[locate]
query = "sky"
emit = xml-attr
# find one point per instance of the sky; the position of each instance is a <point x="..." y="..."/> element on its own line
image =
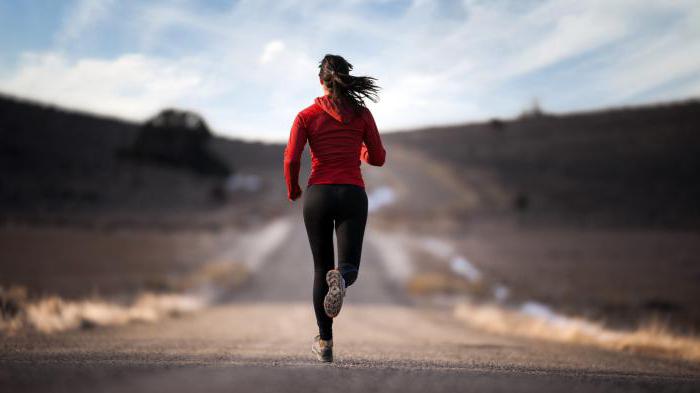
<point x="250" y="66"/>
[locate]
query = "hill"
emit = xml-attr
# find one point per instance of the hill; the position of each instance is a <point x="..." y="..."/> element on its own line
<point x="619" y="167"/>
<point x="63" y="166"/>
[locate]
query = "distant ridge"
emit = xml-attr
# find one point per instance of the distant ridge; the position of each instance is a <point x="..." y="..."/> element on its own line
<point x="629" y="166"/>
<point x="63" y="165"/>
<point x="691" y="103"/>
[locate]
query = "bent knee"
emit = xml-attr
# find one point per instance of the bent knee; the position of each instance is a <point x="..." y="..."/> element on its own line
<point x="350" y="277"/>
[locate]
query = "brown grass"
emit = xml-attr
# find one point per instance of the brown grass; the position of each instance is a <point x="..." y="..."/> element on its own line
<point x="434" y="283"/>
<point x="54" y="314"/>
<point x="652" y="337"/>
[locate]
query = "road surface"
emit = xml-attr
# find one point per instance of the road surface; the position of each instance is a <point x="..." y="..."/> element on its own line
<point x="259" y="340"/>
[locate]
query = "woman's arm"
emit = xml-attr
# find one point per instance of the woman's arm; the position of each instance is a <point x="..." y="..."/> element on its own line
<point x="292" y="157"/>
<point x="372" y="151"/>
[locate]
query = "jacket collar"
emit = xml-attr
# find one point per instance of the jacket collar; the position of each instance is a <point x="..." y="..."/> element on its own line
<point x="340" y="112"/>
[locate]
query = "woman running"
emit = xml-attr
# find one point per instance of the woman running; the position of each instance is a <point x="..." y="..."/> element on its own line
<point x="340" y="131"/>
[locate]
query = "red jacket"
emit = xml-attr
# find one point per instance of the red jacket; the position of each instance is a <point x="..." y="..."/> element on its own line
<point x="338" y="138"/>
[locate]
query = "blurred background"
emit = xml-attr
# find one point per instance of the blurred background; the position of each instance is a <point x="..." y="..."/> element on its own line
<point x="542" y="160"/>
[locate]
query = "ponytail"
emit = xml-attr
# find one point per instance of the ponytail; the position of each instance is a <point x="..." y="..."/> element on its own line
<point x="335" y="74"/>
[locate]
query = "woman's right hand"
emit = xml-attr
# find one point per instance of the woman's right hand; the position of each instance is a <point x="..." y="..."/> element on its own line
<point x="294" y="194"/>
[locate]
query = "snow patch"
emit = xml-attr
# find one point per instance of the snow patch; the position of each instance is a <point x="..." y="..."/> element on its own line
<point x="464" y="268"/>
<point x="545" y="314"/>
<point x="437" y="247"/>
<point x="380" y="197"/>
<point x="501" y="293"/>
<point x="243" y="182"/>
<point x="458" y="263"/>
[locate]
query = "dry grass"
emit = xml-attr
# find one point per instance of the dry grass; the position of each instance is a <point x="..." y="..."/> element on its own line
<point x="54" y="314"/>
<point x="434" y="283"/>
<point x="651" y="338"/>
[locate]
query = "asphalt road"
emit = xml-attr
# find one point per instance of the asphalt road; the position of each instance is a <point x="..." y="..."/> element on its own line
<point x="259" y="340"/>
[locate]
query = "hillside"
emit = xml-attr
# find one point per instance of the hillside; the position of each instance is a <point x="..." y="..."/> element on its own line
<point x="63" y="166"/>
<point x="622" y="167"/>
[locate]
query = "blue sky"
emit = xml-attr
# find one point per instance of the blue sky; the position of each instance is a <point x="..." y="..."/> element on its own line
<point x="250" y="66"/>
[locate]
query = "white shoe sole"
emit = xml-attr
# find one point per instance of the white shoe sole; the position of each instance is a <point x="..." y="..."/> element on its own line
<point x="333" y="301"/>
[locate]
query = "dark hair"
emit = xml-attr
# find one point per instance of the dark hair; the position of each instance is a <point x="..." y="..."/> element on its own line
<point x="335" y="74"/>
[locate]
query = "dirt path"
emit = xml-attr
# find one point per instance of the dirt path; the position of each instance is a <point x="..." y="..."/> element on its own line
<point x="260" y="339"/>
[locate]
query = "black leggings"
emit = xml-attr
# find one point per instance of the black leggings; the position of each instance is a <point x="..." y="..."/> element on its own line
<point x="343" y="206"/>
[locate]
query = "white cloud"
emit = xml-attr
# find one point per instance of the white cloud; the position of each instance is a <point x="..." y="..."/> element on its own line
<point x="83" y="15"/>
<point x="271" y="50"/>
<point x="569" y="34"/>
<point x="659" y="61"/>
<point x="251" y="66"/>
<point x="132" y="85"/>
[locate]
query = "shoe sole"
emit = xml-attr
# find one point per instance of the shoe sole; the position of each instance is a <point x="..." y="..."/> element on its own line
<point x="333" y="301"/>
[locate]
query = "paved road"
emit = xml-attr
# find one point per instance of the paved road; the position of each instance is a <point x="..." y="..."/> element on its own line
<point x="259" y="340"/>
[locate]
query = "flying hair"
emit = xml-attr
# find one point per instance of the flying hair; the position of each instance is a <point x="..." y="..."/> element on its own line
<point x="334" y="71"/>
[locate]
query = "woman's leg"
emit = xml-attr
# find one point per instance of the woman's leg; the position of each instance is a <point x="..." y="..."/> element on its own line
<point x="350" y="229"/>
<point x="318" y="218"/>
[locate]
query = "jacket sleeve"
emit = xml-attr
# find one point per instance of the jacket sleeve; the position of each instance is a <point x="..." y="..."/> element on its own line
<point x="372" y="151"/>
<point x="292" y="157"/>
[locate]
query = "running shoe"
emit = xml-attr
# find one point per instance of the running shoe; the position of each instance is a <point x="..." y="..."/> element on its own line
<point x="323" y="349"/>
<point x="336" y="292"/>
